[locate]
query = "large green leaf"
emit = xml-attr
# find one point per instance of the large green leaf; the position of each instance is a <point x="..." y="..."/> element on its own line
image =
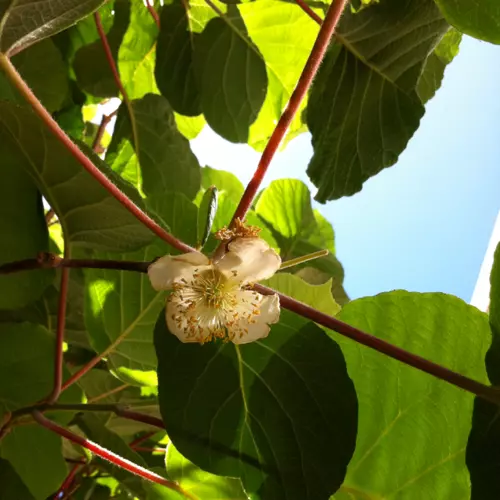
<point x="92" y="69"/>
<point x="43" y="69"/>
<point x="478" y="19"/>
<point x="89" y="215"/>
<point x="24" y="22"/>
<point x="198" y="483"/>
<point x="285" y="208"/>
<point x="24" y="235"/>
<point x="36" y="455"/>
<point x="136" y="56"/>
<point x="483" y="449"/>
<point x="232" y="77"/>
<point x="174" y="70"/>
<point x="433" y="72"/>
<point x="284" y="425"/>
<point x="12" y="485"/>
<point x="363" y="108"/>
<point x="413" y="427"/>
<point x="165" y="161"/>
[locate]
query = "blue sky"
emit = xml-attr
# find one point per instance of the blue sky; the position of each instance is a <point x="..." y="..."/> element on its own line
<point x="424" y="224"/>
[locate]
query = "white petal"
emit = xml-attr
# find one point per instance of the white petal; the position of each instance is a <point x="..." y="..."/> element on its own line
<point x="178" y="321"/>
<point x="171" y="269"/>
<point x="249" y="260"/>
<point x="245" y="330"/>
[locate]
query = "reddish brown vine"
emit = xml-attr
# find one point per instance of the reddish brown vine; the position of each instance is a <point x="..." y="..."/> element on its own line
<point x="309" y="72"/>
<point x="107" y="455"/>
<point x="303" y="5"/>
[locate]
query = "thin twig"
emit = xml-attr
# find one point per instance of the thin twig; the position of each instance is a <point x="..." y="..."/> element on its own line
<point x="107" y="455"/>
<point x="141" y="439"/>
<point x="310" y="69"/>
<point x="108" y="393"/>
<point x="61" y="321"/>
<point x="96" y="144"/>
<point x="486" y="392"/>
<point x="61" y="492"/>
<point x="153" y="13"/>
<point x="118" y="82"/>
<point x="49" y="215"/>
<point x="47" y="260"/>
<point x="14" y="77"/>
<point x="303" y="5"/>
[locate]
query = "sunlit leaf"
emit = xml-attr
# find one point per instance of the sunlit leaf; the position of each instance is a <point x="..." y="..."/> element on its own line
<point x="35" y="453"/>
<point x="284" y="425"/>
<point x="19" y="27"/>
<point x="166" y="160"/>
<point x="363" y="108"/>
<point x="285" y="208"/>
<point x="200" y="484"/>
<point x="136" y="56"/>
<point x="483" y="449"/>
<point x="89" y="215"/>
<point x="413" y="427"/>
<point x="433" y="72"/>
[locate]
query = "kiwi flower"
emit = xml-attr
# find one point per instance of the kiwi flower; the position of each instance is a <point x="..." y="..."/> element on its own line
<point x="214" y="299"/>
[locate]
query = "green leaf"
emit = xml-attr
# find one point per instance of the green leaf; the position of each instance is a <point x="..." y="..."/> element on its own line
<point x="136" y="57"/>
<point x="483" y="448"/>
<point x="317" y="296"/>
<point x="166" y="160"/>
<point x="35" y="453"/>
<point x="42" y="68"/>
<point x="92" y="69"/>
<point x="225" y="182"/>
<point x="286" y="427"/>
<point x="174" y="70"/>
<point x="363" y="108"/>
<point x="27" y="369"/>
<point x="206" y="215"/>
<point x="26" y="365"/>
<point x="232" y="78"/>
<point x="24" y="233"/>
<point x="189" y="126"/>
<point x="89" y="215"/>
<point x="97" y="432"/>
<point x="433" y="72"/>
<point x="284" y="36"/>
<point x="19" y="28"/>
<point x="12" y="486"/>
<point x="478" y="19"/>
<point x="285" y="208"/>
<point x="200" y="484"/>
<point x="413" y="427"/>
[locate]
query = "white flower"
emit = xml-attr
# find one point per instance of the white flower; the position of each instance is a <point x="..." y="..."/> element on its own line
<point x="210" y="299"/>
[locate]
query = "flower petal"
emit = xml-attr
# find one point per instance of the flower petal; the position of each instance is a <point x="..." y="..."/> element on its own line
<point x="249" y="260"/>
<point x="257" y="326"/>
<point x="171" y="269"/>
<point x="183" y="324"/>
